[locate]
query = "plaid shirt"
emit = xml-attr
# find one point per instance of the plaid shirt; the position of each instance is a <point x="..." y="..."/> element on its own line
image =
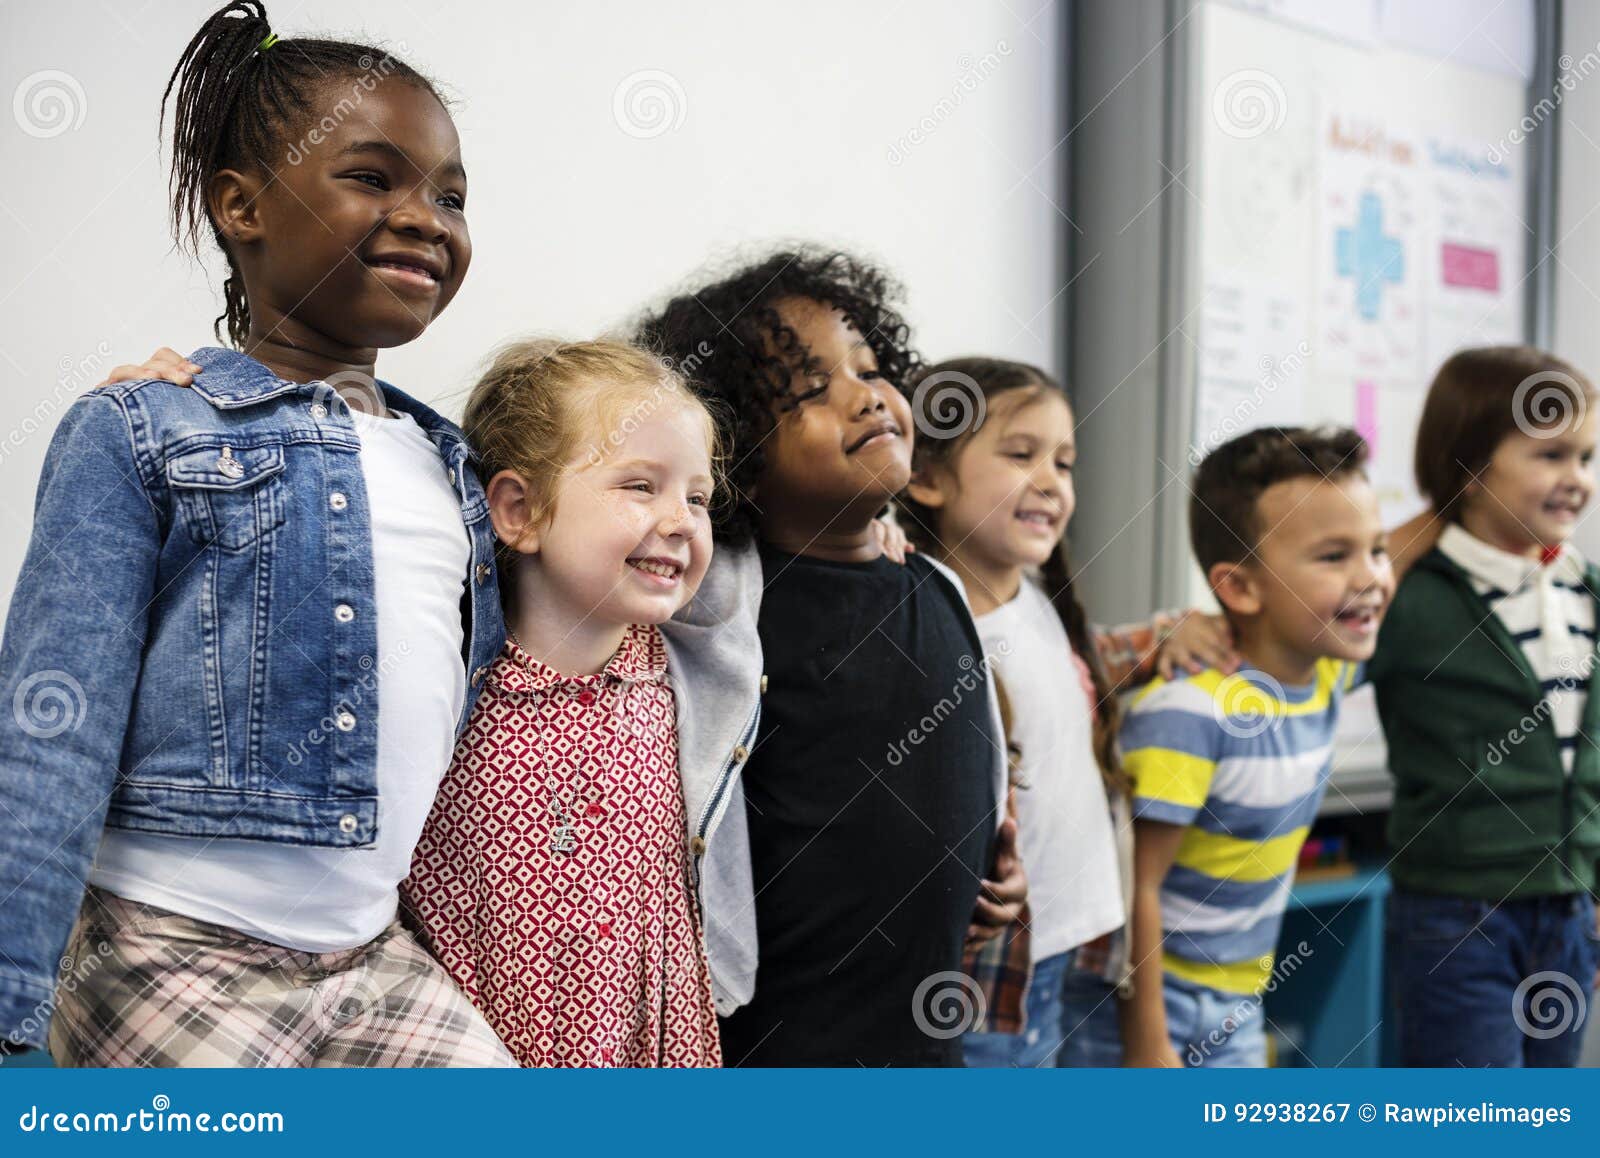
<point x="1001" y="967"/>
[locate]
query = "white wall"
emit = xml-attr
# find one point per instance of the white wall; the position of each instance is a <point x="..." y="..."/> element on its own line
<point x="1576" y="253"/>
<point x="796" y="123"/>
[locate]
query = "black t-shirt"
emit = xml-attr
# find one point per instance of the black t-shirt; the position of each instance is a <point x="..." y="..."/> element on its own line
<point x="871" y="801"/>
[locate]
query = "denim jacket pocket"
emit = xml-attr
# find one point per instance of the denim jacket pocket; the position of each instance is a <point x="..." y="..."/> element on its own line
<point x="228" y="494"/>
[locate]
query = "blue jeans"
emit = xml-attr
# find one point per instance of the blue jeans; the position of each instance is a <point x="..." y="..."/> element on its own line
<point x="1207" y="1026"/>
<point x="1478" y="984"/>
<point x="1036" y="1046"/>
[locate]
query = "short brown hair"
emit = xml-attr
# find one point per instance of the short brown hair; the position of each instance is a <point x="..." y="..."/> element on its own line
<point x="1478" y="397"/>
<point x="1224" y="523"/>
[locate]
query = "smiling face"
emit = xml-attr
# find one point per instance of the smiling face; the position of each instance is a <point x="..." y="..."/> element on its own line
<point x="841" y="446"/>
<point x="629" y="537"/>
<point x="1320" y="578"/>
<point x="1534" y="489"/>
<point x="359" y="238"/>
<point x="1003" y="504"/>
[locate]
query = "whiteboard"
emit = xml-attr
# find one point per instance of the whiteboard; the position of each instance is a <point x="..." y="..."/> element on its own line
<point x="1359" y="215"/>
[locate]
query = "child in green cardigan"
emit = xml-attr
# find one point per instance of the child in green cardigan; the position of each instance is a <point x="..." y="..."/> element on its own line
<point x="1482" y="679"/>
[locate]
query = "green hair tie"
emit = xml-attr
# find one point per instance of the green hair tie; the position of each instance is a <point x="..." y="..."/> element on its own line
<point x="268" y="42"/>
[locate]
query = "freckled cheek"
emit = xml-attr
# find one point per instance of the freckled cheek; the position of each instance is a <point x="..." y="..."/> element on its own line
<point x="615" y="519"/>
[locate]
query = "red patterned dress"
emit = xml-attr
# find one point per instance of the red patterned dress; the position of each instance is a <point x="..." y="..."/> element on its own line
<point x="552" y="877"/>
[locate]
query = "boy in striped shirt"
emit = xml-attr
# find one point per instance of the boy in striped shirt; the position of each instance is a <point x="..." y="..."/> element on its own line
<point x="1229" y="770"/>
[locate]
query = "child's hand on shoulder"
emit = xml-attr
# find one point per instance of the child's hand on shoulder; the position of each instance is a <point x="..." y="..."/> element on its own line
<point x="1196" y="642"/>
<point x="892" y="540"/>
<point x="166" y="365"/>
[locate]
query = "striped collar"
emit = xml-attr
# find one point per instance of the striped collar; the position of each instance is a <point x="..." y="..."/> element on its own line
<point x="1501" y="569"/>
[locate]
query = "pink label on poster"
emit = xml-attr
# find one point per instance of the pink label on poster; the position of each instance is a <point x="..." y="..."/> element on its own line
<point x="1469" y="267"/>
<point x="1367" y="414"/>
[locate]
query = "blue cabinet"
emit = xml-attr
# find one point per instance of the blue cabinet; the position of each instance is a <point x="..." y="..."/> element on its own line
<point x="1326" y="1003"/>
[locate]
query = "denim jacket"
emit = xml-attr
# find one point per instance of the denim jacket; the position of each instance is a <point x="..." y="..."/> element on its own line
<point x="171" y="654"/>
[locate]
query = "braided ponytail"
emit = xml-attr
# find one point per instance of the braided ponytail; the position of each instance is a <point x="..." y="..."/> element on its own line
<point x="238" y="90"/>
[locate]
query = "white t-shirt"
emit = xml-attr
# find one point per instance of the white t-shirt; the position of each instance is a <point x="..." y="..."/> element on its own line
<point x="322" y="900"/>
<point x="1063" y="819"/>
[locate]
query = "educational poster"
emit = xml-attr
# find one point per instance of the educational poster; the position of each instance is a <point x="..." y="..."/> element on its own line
<point x="1253" y="355"/>
<point x="1370" y="200"/>
<point x="1257" y="190"/>
<point x="1473" y="247"/>
<point x="1369" y="320"/>
<point x="1386" y="416"/>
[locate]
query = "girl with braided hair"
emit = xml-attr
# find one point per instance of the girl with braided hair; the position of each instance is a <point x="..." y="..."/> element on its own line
<point x="266" y="601"/>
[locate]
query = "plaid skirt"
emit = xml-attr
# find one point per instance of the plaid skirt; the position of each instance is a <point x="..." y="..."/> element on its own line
<point x="142" y="986"/>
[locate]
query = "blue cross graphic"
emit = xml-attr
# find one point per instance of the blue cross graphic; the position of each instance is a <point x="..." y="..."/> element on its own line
<point x="1369" y="256"/>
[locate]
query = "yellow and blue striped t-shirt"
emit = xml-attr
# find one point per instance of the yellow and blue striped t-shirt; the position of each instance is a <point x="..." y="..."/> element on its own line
<point x="1241" y="762"/>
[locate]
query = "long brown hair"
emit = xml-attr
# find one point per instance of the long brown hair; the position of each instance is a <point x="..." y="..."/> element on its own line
<point x="989" y="378"/>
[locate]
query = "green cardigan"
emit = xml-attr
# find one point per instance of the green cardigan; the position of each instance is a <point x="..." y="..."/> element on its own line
<point x="1482" y="807"/>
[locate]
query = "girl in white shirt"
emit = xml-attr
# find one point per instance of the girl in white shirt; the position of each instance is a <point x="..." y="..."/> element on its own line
<point x="991" y="499"/>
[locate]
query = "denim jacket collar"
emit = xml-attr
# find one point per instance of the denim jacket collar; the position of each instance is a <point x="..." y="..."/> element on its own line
<point x="232" y="380"/>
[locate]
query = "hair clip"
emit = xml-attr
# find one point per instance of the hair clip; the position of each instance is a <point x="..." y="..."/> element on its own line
<point x="267" y="42"/>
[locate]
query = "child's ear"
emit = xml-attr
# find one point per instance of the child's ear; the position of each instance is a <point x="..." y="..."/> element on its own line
<point x="234" y="199"/>
<point x="1236" y="587"/>
<point x="924" y="488"/>
<point x="511" y="512"/>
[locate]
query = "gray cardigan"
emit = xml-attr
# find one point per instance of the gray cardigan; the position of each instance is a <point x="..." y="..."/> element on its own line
<point x="714" y="665"/>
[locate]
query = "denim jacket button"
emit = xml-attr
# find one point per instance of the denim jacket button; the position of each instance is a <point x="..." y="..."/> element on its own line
<point x="477" y="676"/>
<point x="483" y="572"/>
<point x="337" y="501"/>
<point x="344" y="613"/>
<point x="345" y="721"/>
<point x="318" y="411"/>
<point x="347" y="823"/>
<point x="452" y="473"/>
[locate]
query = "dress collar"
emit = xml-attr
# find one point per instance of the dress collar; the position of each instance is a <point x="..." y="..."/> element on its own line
<point x="641" y="658"/>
